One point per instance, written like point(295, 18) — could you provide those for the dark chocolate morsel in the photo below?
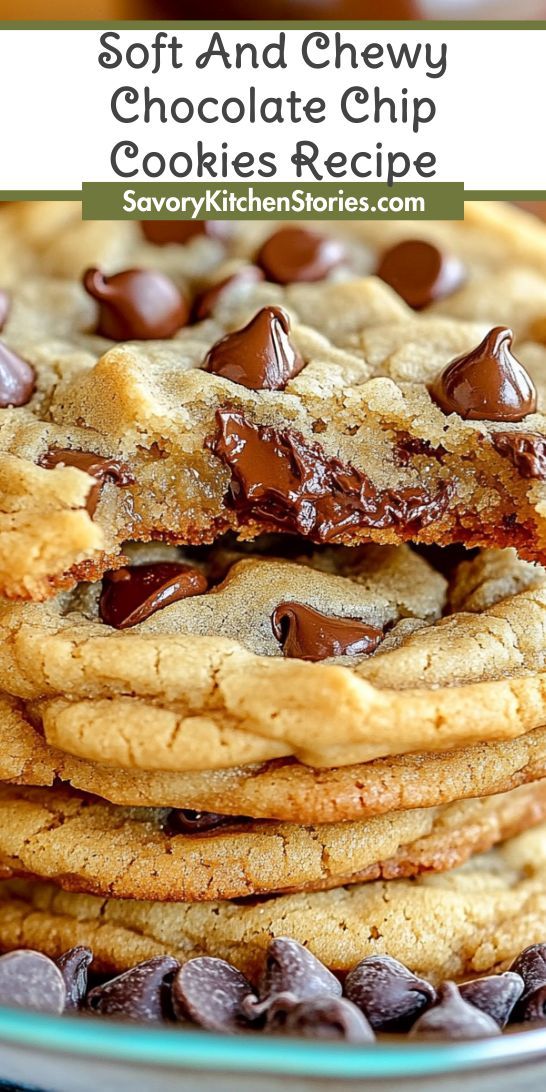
point(141, 994)
point(187, 821)
point(4, 307)
point(420, 273)
point(389, 995)
point(30, 980)
point(205, 304)
point(486, 384)
point(99, 467)
point(74, 965)
point(211, 992)
point(497, 994)
point(131, 595)
point(17, 379)
point(532, 1008)
point(297, 254)
point(261, 356)
point(137, 304)
point(451, 1017)
point(525, 450)
point(531, 965)
point(291, 968)
point(292, 485)
point(162, 232)
point(321, 1017)
point(306, 634)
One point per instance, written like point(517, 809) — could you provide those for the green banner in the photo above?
point(272, 201)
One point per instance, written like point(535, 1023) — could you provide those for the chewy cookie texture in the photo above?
point(272, 637)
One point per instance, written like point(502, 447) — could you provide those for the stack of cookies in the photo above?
point(273, 626)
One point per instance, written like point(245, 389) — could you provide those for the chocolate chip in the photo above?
point(143, 993)
point(162, 232)
point(532, 1008)
point(207, 301)
point(487, 384)
point(291, 968)
point(322, 1018)
point(296, 254)
point(453, 1018)
point(211, 992)
point(531, 965)
point(99, 467)
point(261, 356)
point(131, 595)
point(137, 304)
point(525, 450)
point(4, 307)
point(30, 980)
point(306, 634)
point(420, 273)
point(186, 821)
point(496, 994)
point(17, 379)
point(73, 966)
point(292, 485)
point(389, 995)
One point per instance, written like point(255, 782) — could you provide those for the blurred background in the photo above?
point(273, 9)
point(538, 207)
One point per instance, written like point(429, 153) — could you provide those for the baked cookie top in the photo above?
point(204, 661)
point(84, 844)
point(493, 240)
point(322, 405)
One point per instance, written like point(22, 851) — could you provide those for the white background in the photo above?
point(58, 130)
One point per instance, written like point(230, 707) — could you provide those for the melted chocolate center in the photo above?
point(292, 485)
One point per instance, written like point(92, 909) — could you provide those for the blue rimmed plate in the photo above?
point(80, 1054)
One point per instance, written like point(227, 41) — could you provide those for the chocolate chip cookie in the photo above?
point(471, 921)
point(324, 406)
point(236, 705)
point(282, 789)
point(229, 676)
point(84, 844)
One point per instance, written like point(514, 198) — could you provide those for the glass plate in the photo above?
point(39, 1045)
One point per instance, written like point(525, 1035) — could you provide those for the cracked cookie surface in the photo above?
point(83, 844)
point(471, 921)
point(281, 789)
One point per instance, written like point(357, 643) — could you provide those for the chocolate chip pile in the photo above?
point(297, 995)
